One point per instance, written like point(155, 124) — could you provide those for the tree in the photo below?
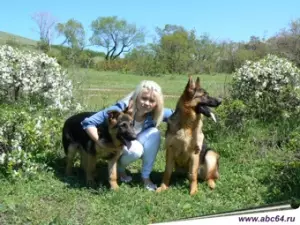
point(117, 36)
point(176, 46)
point(73, 32)
point(287, 42)
point(169, 29)
point(205, 53)
point(228, 54)
point(46, 24)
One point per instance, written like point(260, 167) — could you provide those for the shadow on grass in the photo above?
point(77, 180)
point(283, 183)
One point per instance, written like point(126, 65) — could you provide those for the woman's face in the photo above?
point(146, 101)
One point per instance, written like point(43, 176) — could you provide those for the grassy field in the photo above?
point(253, 170)
point(99, 89)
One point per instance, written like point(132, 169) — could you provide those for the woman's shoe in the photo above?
point(126, 179)
point(150, 187)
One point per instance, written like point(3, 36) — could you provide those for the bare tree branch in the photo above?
point(46, 24)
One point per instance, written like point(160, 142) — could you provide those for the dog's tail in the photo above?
point(209, 169)
point(65, 141)
point(66, 138)
point(203, 152)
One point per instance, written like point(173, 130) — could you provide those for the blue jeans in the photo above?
point(146, 147)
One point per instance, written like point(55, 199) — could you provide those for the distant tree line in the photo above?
point(175, 50)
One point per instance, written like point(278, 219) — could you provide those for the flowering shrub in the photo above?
point(269, 87)
point(32, 139)
point(30, 128)
point(35, 77)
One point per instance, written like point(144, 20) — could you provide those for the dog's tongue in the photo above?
point(213, 117)
point(127, 143)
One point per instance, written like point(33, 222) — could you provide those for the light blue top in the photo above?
point(100, 117)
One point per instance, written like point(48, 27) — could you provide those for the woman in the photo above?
point(147, 105)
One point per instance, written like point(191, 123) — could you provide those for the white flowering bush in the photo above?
point(34, 94)
point(32, 139)
point(269, 87)
point(35, 78)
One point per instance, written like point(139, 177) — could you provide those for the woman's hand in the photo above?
point(93, 133)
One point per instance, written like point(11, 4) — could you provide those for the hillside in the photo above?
point(27, 43)
point(4, 37)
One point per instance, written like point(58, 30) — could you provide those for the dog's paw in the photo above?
point(193, 191)
point(211, 184)
point(114, 186)
point(161, 188)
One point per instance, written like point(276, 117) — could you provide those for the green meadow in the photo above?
point(254, 171)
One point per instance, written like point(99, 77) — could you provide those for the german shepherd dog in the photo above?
point(115, 134)
point(185, 147)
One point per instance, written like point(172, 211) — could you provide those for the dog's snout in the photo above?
point(133, 135)
point(130, 135)
point(126, 130)
point(212, 102)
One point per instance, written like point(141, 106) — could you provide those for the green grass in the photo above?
point(171, 84)
point(254, 172)
point(4, 36)
point(99, 89)
point(71, 203)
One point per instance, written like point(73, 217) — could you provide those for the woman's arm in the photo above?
point(100, 117)
point(91, 123)
point(167, 113)
point(93, 133)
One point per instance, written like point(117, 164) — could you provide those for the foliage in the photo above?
point(176, 45)
point(269, 87)
point(34, 78)
point(115, 35)
point(232, 114)
point(67, 57)
point(145, 61)
point(34, 92)
point(73, 32)
point(43, 46)
point(287, 42)
point(31, 137)
point(118, 65)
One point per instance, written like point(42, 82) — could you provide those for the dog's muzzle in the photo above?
point(204, 109)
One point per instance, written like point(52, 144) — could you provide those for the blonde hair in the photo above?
point(158, 111)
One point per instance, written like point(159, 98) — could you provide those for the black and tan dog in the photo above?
point(185, 148)
point(114, 135)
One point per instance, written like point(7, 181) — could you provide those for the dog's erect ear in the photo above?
point(129, 109)
point(198, 85)
point(190, 86)
point(113, 114)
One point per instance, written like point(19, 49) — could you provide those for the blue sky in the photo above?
point(236, 20)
